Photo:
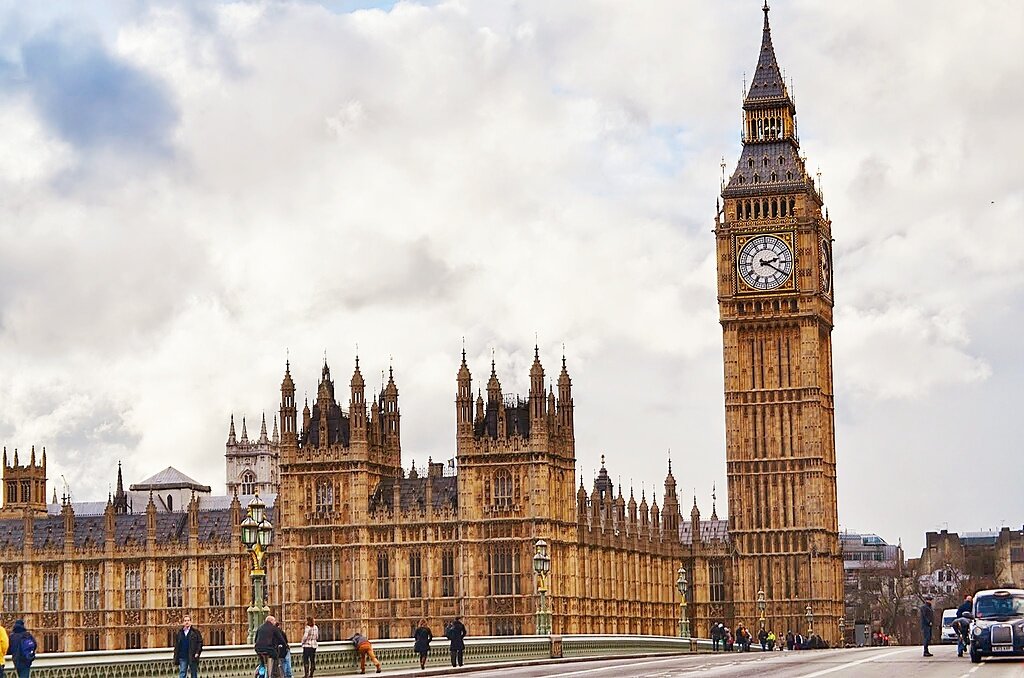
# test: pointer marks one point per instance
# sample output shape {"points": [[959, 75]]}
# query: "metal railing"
{"points": [[339, 658]]}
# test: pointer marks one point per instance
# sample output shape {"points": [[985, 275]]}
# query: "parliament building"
{"points": [[364, 543]]}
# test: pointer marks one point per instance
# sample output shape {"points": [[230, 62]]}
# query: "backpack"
{"points": [[27, 646], [261, 671]]}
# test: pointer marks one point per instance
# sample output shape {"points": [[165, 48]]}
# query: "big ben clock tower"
{"points": [[775, 302]]}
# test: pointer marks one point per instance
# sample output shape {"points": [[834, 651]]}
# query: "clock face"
{"points": [[765, 262], [826, 267]]}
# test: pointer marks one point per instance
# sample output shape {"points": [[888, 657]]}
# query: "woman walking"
{"points": [[310, 636], [423, 637]]}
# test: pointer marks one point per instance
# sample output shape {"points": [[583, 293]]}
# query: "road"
{"points": [[901, 662]]}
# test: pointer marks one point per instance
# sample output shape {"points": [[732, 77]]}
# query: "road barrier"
{"points": [[339, 658]]}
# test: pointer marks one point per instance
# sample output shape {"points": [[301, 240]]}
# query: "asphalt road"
{"points": [[899, 662]]}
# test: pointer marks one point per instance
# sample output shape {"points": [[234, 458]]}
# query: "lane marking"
{"points": [[620, 667], [974, 669], [843, 667]]}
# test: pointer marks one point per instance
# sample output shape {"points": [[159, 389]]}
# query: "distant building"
{"points": [[872, 569]]}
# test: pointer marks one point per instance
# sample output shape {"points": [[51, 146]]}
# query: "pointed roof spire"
{"points": [[275, 438], [231, 431], [120, 480], [767, 81], [714, 510], [263, 430], [245, 436]]}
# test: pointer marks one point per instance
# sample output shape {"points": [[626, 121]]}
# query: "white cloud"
{"points": [[402, 179]]}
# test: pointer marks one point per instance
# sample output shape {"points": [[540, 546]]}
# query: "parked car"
{"points": [[998, 629], [948, 635]]}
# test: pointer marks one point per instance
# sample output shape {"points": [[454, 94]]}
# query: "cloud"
{"points": [[250, 179], [91, 98]]}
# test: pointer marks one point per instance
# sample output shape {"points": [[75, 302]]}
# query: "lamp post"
{"points": [[542, 566], [683, 585], [842, 631], [761, 604], [257, 535], [809, 616]]}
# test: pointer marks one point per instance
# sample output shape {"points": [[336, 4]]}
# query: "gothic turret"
{"points": [[537, 399], [357, 404], [119, 502], [289, 434], [464, 400]]}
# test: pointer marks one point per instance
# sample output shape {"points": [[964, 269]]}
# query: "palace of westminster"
{"points": [[361, 543]]}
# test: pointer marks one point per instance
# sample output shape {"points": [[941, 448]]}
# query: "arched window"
{"points": [[774, 177], [170, 502], [324, 495], [765, 161], [248, 483], [502, 489]]}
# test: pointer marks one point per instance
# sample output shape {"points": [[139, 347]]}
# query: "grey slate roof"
{"points": [[710, 530], [743, 181], [767, 82], [413, 493], [169, 479], [48, 531]]}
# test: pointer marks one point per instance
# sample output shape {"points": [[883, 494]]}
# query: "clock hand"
{"points": [[770, 265]]}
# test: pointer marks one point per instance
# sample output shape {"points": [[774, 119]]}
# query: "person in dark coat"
{"points": [[423, 637], [188, 645], [762, 637], [790, 640], [284, 651], [456, 632], [268, 641], [22, 663], [927, 623]]}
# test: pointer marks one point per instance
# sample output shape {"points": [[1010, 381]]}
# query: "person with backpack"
{"points": [[188, 645], [455, 633], [23, 649]]}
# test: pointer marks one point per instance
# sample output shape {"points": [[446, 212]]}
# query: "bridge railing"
{"points": [[339, 658]]}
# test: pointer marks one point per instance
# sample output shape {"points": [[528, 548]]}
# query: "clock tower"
{"points": [[775, 302]]}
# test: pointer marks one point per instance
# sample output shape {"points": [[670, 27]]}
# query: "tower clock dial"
{"points": [[826, 267], [765, 262]]}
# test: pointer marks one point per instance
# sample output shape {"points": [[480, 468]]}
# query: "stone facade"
{"points": [[775, 302], [361, 544]]}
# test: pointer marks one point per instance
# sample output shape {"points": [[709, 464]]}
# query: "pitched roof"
{"points": [[169, 479], [767, 82]]}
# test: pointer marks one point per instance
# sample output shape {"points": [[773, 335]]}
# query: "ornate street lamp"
{"points": [[809, 616], [257, 535], [761, 605], [683, 585], [542, 566], [842, 631]]}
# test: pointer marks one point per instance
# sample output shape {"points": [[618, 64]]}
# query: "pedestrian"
{"points": [[738, 635], [365, 649], [762, 637], [962, 638], [188, 645], [456, 633], [798, 641], [23, 649], [310, 637], [284, 651], [715, 638], [5, 643], [423, 637], [771, 641], [268, 643], [790, 640], [728, 640], [927, 623]]}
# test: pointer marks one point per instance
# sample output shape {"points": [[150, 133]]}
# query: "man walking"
{"points": [[188, 645], [927, 622], [964, 625], [269, 639], [455, 633]]}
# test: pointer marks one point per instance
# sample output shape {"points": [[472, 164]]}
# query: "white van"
{"points": [[948, 634]]}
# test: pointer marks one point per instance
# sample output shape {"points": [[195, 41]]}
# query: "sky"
{"points": [[192, 192]]}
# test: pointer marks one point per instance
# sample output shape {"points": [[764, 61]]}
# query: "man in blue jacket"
{"points": [[188, 645], [23, 649]]}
